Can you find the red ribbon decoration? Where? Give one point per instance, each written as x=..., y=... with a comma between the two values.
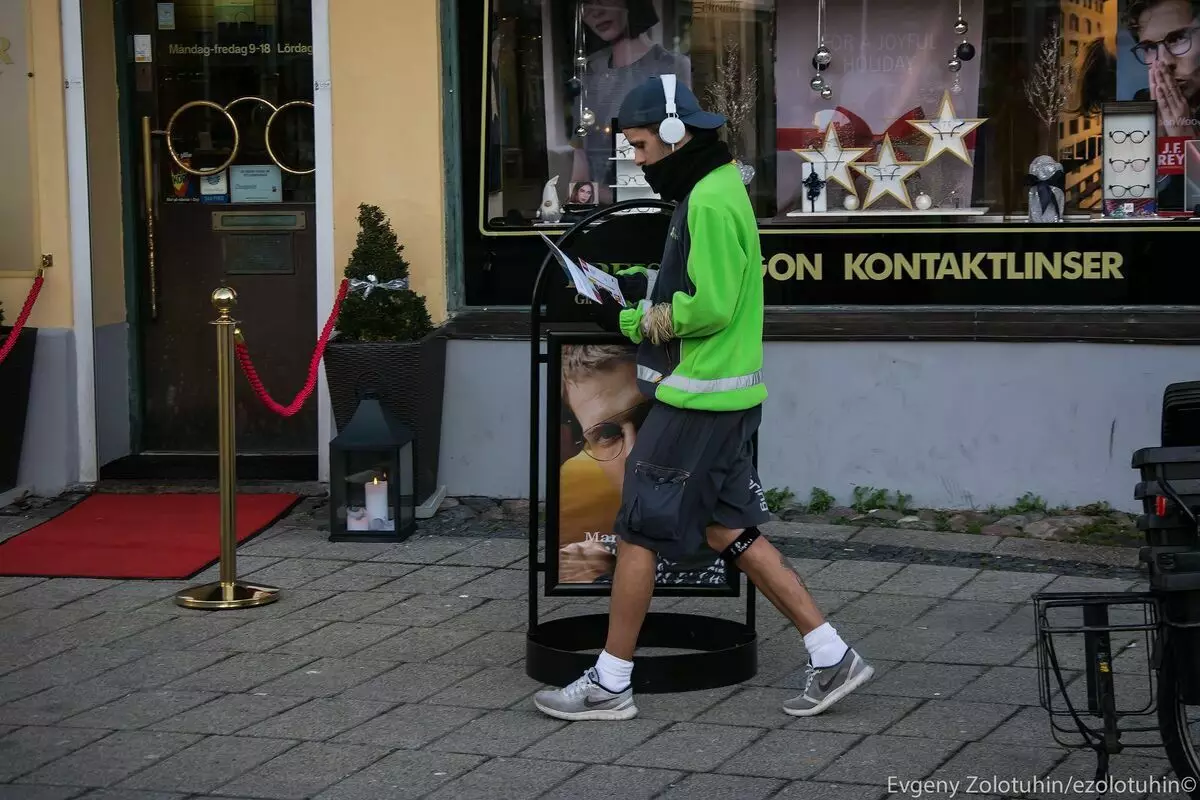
x=855, y=132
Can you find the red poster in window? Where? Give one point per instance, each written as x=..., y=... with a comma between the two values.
x=1170, y=155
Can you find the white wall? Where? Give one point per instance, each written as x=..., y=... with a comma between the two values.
x=955, y=425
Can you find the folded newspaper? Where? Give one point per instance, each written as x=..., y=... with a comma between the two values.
x=588, y=281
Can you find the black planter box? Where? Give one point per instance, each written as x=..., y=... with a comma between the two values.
x=408, y=378
x=16, y=377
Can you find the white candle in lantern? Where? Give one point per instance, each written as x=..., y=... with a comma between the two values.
x=377, y=500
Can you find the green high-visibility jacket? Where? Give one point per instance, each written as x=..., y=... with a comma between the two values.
x=711, y=275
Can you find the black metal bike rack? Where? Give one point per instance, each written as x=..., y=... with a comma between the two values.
x=723, y=652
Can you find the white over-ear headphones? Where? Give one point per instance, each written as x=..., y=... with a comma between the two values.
x=671, y=130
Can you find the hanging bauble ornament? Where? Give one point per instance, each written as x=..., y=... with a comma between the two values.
x=817, y=83
x=581, y=131
x=823, y=56
x=923, y=202
x=581, y=60
x=587, y=117
x=956, y=87
x=826, y=92
x=850, y=203
x=818, y=66
x=960, y=27
x=965, y=51
x=954, y=65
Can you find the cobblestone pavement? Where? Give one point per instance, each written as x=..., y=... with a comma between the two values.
x=397, y=671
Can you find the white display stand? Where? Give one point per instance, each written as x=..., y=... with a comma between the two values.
x=631, y=181
x=1130, y=159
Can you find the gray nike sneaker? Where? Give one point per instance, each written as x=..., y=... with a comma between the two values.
x=586, y=699
x=824, y=687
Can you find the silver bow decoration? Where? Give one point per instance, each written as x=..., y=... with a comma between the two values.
x=372, y=283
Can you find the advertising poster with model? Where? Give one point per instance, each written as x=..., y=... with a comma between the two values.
x=1158, y=59
x=594, y=416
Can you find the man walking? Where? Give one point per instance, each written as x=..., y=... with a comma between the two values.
x=690, y=477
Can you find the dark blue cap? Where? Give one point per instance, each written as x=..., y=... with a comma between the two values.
x=646, y=105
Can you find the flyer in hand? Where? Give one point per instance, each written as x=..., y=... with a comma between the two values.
x=588, y=281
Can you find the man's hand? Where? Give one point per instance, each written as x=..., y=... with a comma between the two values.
x=1174, y=112
x=607, y=314
x=634, y=283
x=583, y=562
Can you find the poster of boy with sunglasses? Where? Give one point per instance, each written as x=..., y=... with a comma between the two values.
x=602, y=410
x=1158, y=58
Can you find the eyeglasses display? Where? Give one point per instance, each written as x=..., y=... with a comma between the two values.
x=1119, y=165
x=632, y=180
x=1128, y=191
x=1130, y=146
x=945, y=127
x=628, y=180
x=1120, y=137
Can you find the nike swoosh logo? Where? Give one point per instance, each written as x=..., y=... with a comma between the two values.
x=825, y=685
x=587, y=701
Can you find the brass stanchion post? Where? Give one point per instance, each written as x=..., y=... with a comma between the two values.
x=227, y=592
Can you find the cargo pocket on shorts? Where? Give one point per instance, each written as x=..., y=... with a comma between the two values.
x=658, y=501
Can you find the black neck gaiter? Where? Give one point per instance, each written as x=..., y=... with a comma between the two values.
x=674, y=176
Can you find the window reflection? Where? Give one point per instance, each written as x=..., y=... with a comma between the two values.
x=558, y=71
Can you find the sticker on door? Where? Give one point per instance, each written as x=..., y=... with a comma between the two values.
x=256, y=184
x=166, y=16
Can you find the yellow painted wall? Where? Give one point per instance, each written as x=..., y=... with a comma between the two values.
x=387, y=133
x=104, y=162
x=49, y=191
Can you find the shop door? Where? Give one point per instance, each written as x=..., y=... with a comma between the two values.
x=223, y=117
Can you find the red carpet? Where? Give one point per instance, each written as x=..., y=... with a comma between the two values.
x=136, y=536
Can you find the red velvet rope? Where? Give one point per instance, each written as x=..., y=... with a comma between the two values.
x=243, y=357
x=22, y=318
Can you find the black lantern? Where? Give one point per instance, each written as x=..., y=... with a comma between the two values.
x=372, y=466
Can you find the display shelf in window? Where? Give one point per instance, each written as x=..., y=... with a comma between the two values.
x=1130, y=186
x=630, y=182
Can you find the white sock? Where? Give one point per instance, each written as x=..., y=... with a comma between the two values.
x=614, y=673
x=825, y=648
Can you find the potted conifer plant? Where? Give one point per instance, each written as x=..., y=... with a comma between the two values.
x=16, y=378
x=386, y=344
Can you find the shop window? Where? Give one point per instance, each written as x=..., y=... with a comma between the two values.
x=557, y=72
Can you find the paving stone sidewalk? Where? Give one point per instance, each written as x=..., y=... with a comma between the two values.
x=397, y=671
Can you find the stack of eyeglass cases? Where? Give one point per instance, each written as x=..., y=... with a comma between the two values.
x=1130, y=159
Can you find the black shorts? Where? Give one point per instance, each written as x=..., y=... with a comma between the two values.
x=688, y=470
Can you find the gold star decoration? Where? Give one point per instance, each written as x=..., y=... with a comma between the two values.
x=947, y=131
x=887, y=175
x=831, y=161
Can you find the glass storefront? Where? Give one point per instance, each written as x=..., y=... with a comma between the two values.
x=931, y=106
x=871, y=119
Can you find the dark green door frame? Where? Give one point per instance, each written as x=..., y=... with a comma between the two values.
x=134, y=249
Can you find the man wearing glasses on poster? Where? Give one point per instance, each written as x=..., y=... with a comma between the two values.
x=1167, y=36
